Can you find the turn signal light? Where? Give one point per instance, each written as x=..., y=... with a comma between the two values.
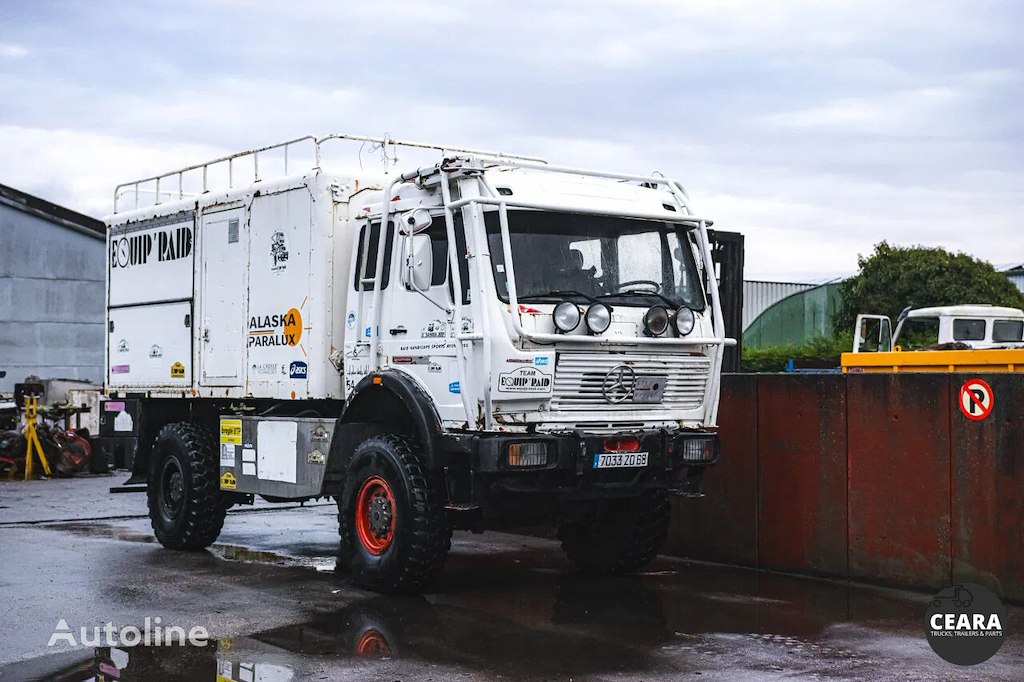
x=622, y=444
x=698, y=449
x=531, y=454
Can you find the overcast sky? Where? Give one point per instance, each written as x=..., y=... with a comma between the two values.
x=815, y=128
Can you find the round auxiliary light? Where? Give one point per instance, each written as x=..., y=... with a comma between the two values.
x=656, y=320
x=566, y=316
x=684, y=321
x=599, y=318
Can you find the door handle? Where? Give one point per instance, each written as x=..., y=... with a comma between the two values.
x=398, y=330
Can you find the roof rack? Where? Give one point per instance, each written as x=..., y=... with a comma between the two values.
x=135, y=186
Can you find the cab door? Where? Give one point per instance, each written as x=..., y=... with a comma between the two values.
x=417, y=330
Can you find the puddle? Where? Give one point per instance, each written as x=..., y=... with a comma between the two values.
x=101, y=530
x=209, y=663
x=227, y=552
x=572, y=626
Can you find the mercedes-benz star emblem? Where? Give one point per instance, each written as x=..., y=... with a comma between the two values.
x=618, y=384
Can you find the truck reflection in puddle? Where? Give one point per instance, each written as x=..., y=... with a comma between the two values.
x=588, y=629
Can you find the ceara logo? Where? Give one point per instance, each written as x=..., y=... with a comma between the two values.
x=276, y=330
x=297, y=370
x=964, y=624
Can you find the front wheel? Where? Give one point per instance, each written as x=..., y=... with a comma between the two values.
x=616, y=536
x=394, y=535
x=186, y=507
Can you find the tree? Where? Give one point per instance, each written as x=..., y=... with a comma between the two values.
x=894, y=277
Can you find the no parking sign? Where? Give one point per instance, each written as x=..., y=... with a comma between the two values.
x=976, y=399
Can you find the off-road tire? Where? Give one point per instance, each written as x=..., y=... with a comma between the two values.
x=199, y=506
x=421, y=536
x=617, y=536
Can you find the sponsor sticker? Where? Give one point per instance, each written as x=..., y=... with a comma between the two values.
x=231, y=431
x=316, y=457
x=278, y=252
x=177, y=371
x=350, y=321
x=454, y=387
x=122, y=346
x=227, y=455
x=228, y=481
x=297, y=370
x=524, y=380
x=166, y=245
x=283, y=329
x=540, y=360
x=121, y=369
x=435, y=329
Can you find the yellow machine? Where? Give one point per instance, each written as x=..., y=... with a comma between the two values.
x=987, y=360
x=33, y=447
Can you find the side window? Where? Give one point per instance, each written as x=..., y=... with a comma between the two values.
x=371, y=259
x=968, y=330
x=1008, y=331
x=439, y=251
x=918, y=333
x=460, y=258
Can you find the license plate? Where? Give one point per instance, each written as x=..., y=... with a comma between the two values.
x=614, y=460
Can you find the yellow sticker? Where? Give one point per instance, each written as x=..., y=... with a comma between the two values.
x=177, y=371
x=231, y=431
x=227, y=481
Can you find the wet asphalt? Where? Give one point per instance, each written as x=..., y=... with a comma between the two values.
x=506, y=607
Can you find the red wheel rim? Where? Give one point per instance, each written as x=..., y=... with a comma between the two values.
x=373, y=644
x=375, y=515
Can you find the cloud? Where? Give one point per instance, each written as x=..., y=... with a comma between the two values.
x=817, y=129
x=12, y=51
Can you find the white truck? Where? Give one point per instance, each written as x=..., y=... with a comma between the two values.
x=951, y=327
x=522, y=341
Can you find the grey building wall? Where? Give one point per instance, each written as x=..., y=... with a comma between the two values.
x=51, y=297
x=758, y=296
x=1017, y=277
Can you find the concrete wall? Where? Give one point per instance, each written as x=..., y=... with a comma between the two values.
x=873, y=477
x=51, y=300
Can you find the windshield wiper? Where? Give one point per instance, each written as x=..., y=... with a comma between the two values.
x=622, y=294
x=558, y=293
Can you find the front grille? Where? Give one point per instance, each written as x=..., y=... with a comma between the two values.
x=580, y=377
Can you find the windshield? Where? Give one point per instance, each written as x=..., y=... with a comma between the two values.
x=574, y=256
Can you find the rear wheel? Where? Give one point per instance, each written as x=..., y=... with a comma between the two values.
x=186, y=507
x=616, y=536
x=394, y=536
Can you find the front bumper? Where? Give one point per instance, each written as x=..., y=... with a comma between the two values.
x=676, y=460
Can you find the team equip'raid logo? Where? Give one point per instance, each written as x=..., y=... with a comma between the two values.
x=134, y=250
x=964, y=624
x=276, y=330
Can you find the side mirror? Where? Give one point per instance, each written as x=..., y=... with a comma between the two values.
x=418, y=262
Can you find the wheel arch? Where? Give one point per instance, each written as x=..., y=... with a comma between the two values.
x=387, y=402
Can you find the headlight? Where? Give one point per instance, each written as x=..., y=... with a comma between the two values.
x=566, y=316
x=599, y=318
x=656, y=320
x=684, y=321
